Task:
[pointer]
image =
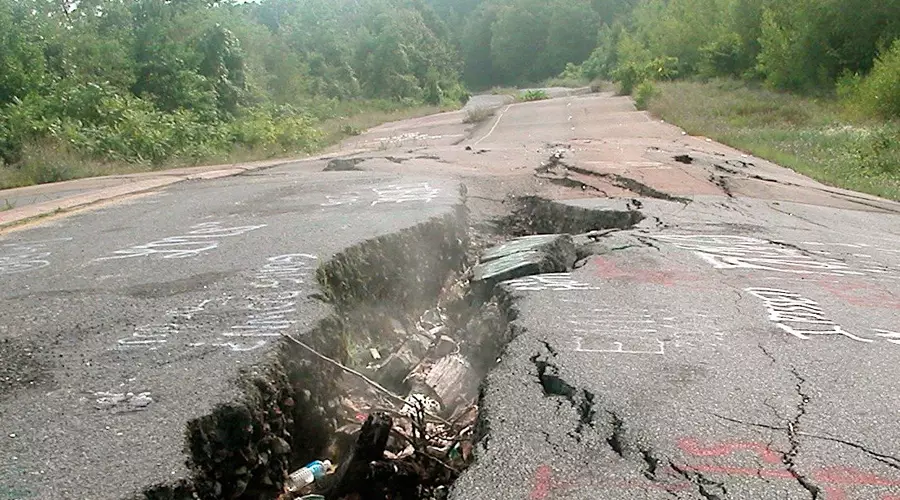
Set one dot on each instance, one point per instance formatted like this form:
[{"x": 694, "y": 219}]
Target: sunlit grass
[
  {"x": 812, "y": 136},
  {"x": 51, "y": 161}
]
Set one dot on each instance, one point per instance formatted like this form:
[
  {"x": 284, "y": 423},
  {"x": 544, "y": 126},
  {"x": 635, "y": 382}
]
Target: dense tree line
[
  {"x": 797, "y": 45},
  {"x": 152, "y": 80},
  {"x": 149, "y": 80}
]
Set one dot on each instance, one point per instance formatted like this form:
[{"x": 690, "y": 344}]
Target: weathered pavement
[
  {"x": 121, "y": 325},
  {"x": 739, "y": 342}
]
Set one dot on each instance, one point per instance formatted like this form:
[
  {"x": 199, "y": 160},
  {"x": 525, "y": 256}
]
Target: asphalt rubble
[
  {"x": 408, "y": 421},
  {"x": 387, "y": 388}
]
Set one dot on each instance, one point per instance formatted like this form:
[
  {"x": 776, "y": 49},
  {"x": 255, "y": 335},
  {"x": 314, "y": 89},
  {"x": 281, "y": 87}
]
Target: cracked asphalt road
[
  {"x": 123, "y": 323},
  {"x": 740, "y": 342}
]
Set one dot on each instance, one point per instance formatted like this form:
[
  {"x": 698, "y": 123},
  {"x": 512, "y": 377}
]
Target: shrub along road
[{"x": 738, "y": 342}]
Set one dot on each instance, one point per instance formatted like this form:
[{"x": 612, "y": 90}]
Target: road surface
[{"x": 741, "y": 341}]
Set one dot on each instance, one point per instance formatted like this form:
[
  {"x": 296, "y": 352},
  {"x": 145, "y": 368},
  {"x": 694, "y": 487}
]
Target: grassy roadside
[
  {"x": 48, "y": 161},
  {"x": 815, "y": 137}
]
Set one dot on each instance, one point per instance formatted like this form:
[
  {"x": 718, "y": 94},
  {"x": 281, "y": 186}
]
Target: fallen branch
[{"x": 364, "y": 378}]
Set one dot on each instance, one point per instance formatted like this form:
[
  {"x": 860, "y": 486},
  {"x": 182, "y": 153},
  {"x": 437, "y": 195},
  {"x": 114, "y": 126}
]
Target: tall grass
[
  {"x": 49, "y": 160},
  {"x": 815, "y": 137}
]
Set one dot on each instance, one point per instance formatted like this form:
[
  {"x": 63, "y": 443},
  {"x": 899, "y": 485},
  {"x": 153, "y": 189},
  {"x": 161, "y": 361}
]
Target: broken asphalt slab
[{"x": 159, "y": 325}]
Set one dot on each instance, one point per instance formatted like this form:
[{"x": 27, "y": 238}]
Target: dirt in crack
[{"x": 410, "y": 342}]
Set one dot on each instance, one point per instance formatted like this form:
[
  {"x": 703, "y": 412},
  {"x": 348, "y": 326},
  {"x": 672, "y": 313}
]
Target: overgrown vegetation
[
  {"x": 533, "y": 95},
  {"x": 813, "y": 136},
  {"x": 111, "y": 85},
  {"x": 105, "y": 86},
  {"x": 479, "y": 114}
]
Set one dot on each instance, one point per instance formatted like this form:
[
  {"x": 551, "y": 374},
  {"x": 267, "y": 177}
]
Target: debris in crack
[
  {"x": 686, "y": 159},
  {"x": 627, "y": 183}
]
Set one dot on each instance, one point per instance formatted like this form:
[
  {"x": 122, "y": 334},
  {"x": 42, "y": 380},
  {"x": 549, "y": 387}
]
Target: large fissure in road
[{"x": 416, "y": 315}]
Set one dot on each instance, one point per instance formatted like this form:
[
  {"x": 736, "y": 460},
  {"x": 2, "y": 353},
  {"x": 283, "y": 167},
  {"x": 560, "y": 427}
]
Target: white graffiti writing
[
  {"x": 270, "y": 312},
  {"x": 892, "y": 337},
  {"x": 344, "y": 199},
  {"x": 123, "y": 401},
  {"x": 201, "y": 238},
  {"x": 22, "y": 257},
  {"x": 742, "y": 252},
  {"x": 799, "y": 316},
  {"x": 154, "y": 335},
  {"x": 559, "y": 282},
  {"x": 391, "y": 193},
  {"x": 401, "y": 193}
]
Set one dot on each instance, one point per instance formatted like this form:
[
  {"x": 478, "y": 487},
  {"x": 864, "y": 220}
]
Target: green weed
[
  {"x": 812, "y": 136},
  {"x": 533, "y": 95}
]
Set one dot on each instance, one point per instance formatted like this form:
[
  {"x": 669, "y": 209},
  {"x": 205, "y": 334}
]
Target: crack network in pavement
[
  {"x": 793, "y": 438},
  {"x": 708, "y": 489}
]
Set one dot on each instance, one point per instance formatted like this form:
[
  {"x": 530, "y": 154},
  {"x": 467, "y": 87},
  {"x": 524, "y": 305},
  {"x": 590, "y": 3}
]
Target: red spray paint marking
[
  {"x": 835, "y": 494},
  {"x": 543, "y": 483},
  {"x": 844, "y": 475},
  {"x": 861, "y": 293},
  {"x": 608, "y": 269},
  {"x": 835, "y": 480},
  {"x": 692, "y": 447}
]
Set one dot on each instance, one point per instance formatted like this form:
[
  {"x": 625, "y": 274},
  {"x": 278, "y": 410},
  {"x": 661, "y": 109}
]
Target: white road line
[{"x": 491, "y": 131}]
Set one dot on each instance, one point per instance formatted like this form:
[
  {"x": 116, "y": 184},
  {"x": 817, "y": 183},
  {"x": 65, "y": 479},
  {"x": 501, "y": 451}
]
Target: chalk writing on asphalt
[
  {"x": 742, "y": 252},
  {"x": 559, "y": 282},
  {"x": 201, "y": 238},
  {"x": 617, "y": 332},
  {"x": 123, "y": 402},
  {"x": 389, "y": 193},
  {"x": 343, "y": 199},
  {"x": 650, "y": 331},
  {"x": 892, "y": 337},
  {"x": 25, "y": 256},
  {"x": 799, "y": 316},
  {"x": 270, "y": 312},
  {"x": 401, "y": 193}
]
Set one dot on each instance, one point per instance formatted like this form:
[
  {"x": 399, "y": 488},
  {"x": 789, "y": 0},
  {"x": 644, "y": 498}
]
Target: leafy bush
[
  {"x": 634, "y": 73},
  {"x": 642, "y": 95},
  {"x": 723, "y": 57},
  {"x": 275, "y": 130},
  {"x": 878, "y": 153},
  {"x": 533, "y": 95},
  {"x": 878, "y": 93}
]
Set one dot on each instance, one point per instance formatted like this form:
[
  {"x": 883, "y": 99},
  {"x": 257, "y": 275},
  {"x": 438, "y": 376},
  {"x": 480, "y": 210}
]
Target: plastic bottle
[{"x": 308, "y": 474}]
